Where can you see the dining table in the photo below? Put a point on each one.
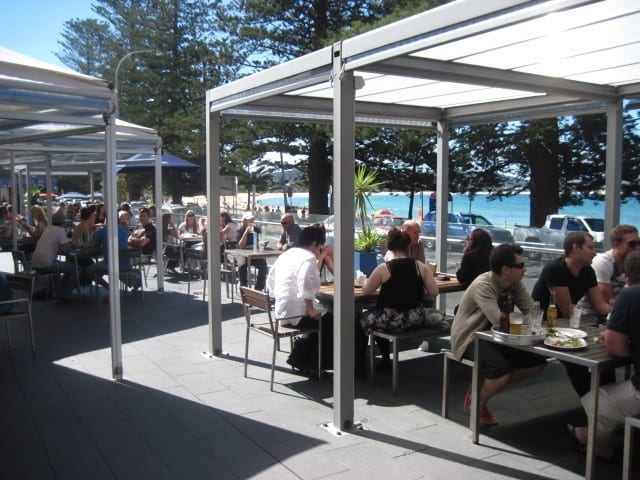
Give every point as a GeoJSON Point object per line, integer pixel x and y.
{"type": "Point", "coordinates": [445, 283]}
{"type": "Point", "coordinates": [594, 356]}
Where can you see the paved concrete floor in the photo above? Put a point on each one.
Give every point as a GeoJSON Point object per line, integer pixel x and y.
{"type": "Point", "coordinates": [180, 414]}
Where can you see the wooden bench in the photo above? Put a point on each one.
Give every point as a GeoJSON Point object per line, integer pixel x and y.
{"type": "Point", "coordinates": [395, 338]}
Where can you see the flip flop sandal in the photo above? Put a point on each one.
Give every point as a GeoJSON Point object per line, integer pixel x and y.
{"type": "Point", "coordinates": [581, 447]}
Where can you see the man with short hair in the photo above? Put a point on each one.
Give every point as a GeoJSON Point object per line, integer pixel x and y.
{"type": "Point", "coordinates": [53, 241]}
{"type": "Point", "coordinates": [622, 339]}
{"type": "Point", "coordinates": [144, 237]}
{"type": "Point", "coordinates": [294, 281]}
{"type": "Point", "coordinates": [609, 265]}
{"type": "Point", "coordinates": [481, 306]}
{"type": "Point", "coordinates": [571, 278]}
{"type": "Point", "coordinates": [290, 232]}
{"type": "Point", "coordinates": [416, 248]}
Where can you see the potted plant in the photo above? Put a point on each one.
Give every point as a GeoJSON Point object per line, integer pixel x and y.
{"type": "Point", "coordinates": [368, 241]}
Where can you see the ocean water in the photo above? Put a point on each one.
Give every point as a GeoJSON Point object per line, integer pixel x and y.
{"type": "Point", "coordinates": [506, 212]}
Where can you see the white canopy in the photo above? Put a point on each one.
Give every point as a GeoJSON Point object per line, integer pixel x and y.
{"type": "Point", "coordinates": [55, 118]}
{"type": "Point", "coordinates": [465, 62]}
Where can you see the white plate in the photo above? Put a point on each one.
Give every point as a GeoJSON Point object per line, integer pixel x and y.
{"type": "Point", "coordinates": [563, 343]}
{"type": "Point", "coordinates": [570, 333]}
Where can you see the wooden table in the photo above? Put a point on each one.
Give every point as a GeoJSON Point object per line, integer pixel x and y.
{"type": "Point", "coordinates": [593, 357]}
{"type": "Point", "coordinates": [326, 293]}
{"type": "Point", "coordinates": [249, 254]}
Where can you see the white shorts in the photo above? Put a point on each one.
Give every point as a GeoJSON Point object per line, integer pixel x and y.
{"type": "Point", "coordinates": [616, 402]}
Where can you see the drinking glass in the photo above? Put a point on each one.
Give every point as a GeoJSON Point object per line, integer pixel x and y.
{"type": "Point", "coordinates": [536, 318]}
{"type": "Point", "coordinates": [574, 318]}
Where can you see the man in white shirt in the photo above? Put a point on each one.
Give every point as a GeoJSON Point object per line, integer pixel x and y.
{"type": "Point", "coordinates": [609, 265]}
{"type": "Point", "coordinates": [53, 241]}
{"type": "Point", "coordinates": [294, 281]}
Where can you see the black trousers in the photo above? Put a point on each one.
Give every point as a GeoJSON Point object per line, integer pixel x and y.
{"type": "Point", "coordinates": [261, 265]}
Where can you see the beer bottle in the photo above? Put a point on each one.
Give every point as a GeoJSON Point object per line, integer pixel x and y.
{"type": "Point", "coordinates": [504, 313]}
{"type": "Point", "coordinates": [552, 310]}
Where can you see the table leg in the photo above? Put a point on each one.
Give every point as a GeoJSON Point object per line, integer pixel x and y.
{"type": "Point", "coordinates": [475, 392]}
{"type": "Point", "coordinates": [592, 417]}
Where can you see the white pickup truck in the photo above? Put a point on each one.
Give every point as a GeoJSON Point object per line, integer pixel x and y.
{"type": "Point", "coordinates": [556, 228]}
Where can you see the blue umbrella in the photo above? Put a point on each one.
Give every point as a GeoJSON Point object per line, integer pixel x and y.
{"type": "Point", "coordinates": [143, 162]}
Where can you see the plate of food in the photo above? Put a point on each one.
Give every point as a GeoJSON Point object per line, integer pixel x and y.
{"type": "Point", "coordinates": [565, 343]}
{"type": "Point", "coordinates": [566, 333]}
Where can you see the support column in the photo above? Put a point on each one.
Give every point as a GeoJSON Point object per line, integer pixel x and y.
{"type": "Point", "coordinates": [613, 169]}
{"type": "Point", "coordinates": [442, 201]}
{"type": "Point", "coordinates": [213, 239]}
{"type": "Point", "coordinates": [343, 188]}
{"type": "Point", "coordinates": [110, 196]}
{"type": "Point", "coordinates": [157, 199]}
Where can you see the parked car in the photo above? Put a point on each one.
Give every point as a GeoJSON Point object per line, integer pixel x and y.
{"type": "Point", "coordinates": [556, 228]}
{"type": "Point", "coordinates": [497, 234]}
{"type": "Point", "coordinates": [457, 229]}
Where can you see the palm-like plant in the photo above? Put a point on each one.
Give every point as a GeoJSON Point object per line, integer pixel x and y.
{"type": "Point", "coordinates": [365, 183]}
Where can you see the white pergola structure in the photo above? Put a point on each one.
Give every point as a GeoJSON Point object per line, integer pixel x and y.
{"type": "Point", "coordinates": [53, 119]}
{"type": "Point", "coordinates": [462, 63]}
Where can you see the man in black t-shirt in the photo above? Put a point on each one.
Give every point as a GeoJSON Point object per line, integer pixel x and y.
{"type": "Point", "coordinates": [622, 339]}
{"type": "Point", "coordinates": [144, 237]}
{"type": "Point", "coordinates": [571, 278]}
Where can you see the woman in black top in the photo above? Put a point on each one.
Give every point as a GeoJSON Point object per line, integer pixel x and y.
{"type": "Point", "coordinates": [475, 258]}
{"type": "Point", "coordinates": [403, 283]}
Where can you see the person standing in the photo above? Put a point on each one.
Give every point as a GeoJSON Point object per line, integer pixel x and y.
{"type": "Point", "coordinates": [481, 307]}
{"type": "Point", "coordinates": [609, 266]}
{"type": "Point", "coordinates": [622, 339]}
{"type": "Point", "coordinates": [290, 232]}
{"type": "Point", "coordinates": [294, 282]}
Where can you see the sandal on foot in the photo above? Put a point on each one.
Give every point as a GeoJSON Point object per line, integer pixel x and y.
{"type": "Point", "coordinates": [581, 447]}
{"type": "Point", "coordinates": [466, 405]}
{"type": "Point", "coordinates": [486, 417]}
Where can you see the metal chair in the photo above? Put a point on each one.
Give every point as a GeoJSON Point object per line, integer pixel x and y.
{"type": "Point", "coordinates": [256, 299]}
{"type": "Point", "coordinates": [22, 287]}
{"type": "Point", "coordinates": [132, 278]}
{"type": "Point", "coordinates": [199, 261]}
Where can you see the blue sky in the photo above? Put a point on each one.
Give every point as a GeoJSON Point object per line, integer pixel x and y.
{"type": "Point", "coordinates": [34, 27]}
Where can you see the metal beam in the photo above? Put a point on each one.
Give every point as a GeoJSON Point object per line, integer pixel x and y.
{"type": "Point", "coordinates": [490, 77]}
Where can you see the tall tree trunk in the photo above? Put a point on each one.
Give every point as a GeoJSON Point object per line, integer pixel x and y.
{"type": "Point", "coordinates": [543, 161]}
{"type": "Point", "coordinates": [319, 173]}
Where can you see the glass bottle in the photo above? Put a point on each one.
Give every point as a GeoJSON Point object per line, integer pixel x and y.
{"type": "Point", "coordinates": [552, 310]}
{"type": "Point", "coordinates": [504, 313]}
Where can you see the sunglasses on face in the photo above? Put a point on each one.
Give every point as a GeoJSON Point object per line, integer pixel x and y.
{"type": "Point", "coordinates": [633, 243]}
{"type": "Point", "coordinates": [283, 222]}
{"type": "Point", "coordinates": [519, 266]}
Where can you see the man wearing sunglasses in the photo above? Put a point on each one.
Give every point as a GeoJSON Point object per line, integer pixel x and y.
{"type": "Point", "coordinates": [570, 278]}
{"type": "Point", "coordinates": [609, 265]}
{"type": "Point", "coordinates": [290, 232]}
{"type": "Point", "coordinates": [480, 309]}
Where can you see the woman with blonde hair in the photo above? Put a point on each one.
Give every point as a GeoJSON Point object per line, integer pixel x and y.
{"type": "Point", "coordinates": [40, 220]}
{"type": "Point", "coordinates": [189, 225]}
